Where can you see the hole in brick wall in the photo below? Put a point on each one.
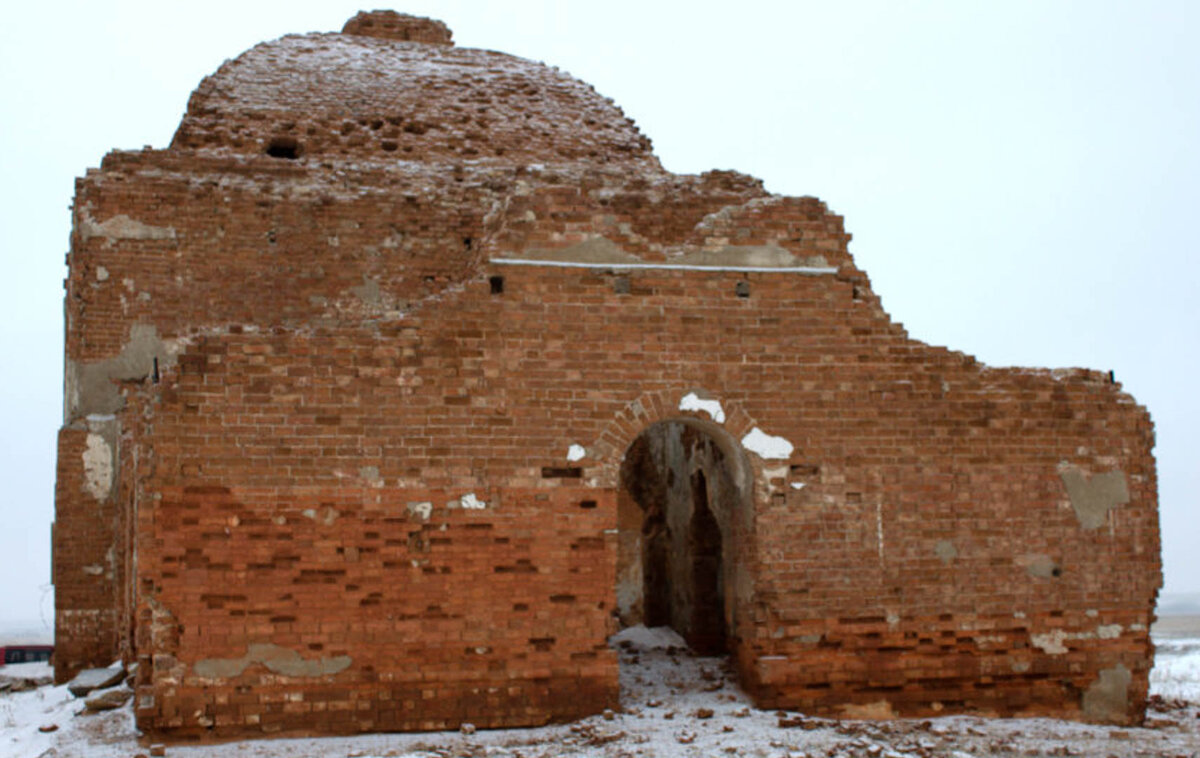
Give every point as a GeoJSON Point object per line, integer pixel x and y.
{"type": "Point", "coordinates": [853, 497]}
{"type": "Point", "coordinates": [497, 284]}
{"type": "Point", "coordinates": [857, 293]}
{"type": "Point", "coordinates": [804, 469]}
{"type": "Point", "coordinates": [621, 285]}
{"type": "Point", "coordinates": [468, 243]}
{"type": "Point", "coordinates": [284, 147]}
{"type": "Point", "coordinates": [587, 504]}
{"type": "Point", "coordinates": [742, 288]}
{"type": "Point", "coordinates": [389, 145]}
{"type": "Point", "coordinates": [155, 375]}
{"type": "Point", "coordinates": [565, 472]}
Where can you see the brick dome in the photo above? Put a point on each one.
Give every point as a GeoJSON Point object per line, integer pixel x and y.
{"type": "Point", "coordinates": [394, 88]}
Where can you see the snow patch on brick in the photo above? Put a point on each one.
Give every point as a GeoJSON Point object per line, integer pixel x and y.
{"type": "Point", "coordinates": [470, 502]}
{"type": "Point", "coordinates": [576, 453]}
{"type": "Point", "coordinates": [766, 446]}
{"type": "Point", "coordinates": [693, 402]}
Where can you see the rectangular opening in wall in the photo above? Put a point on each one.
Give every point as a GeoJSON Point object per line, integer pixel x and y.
{"type": "Point", "coordinates": [565, 472]}
{"type": "Point", "coordinates": [497, 284]}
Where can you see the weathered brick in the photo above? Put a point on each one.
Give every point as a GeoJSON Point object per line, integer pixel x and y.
{"type": "Point", "coordinates": [326, 374]}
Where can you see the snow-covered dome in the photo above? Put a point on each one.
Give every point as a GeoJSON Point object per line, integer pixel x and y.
{"type": "Point", "coordinates": [393, 87]}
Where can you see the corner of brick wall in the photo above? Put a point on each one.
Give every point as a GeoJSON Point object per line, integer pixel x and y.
{"type": "Point", "coordinates": [85, 615]}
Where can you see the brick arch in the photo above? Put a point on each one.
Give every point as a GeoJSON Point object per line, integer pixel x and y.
{"type": "Point", "coordinates": [655, 406]}
{"type": "Point", "coordinates": [735, 518]}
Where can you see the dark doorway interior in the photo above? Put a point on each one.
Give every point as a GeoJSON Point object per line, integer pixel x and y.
{"type": "Point", "coordinates": [704, 538]}
{"type": "Point", "coordinates": [677, 495]}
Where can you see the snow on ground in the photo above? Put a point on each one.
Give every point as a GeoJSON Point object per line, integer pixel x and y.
{"type": "Point", "coordinates": [110, 735]}
{"type": "Point", "coordinates": [674, 704]}
{"type": "Point", "coordinates": [34, 670]}
{"type": "Point", "coordinates": [1176, 673]}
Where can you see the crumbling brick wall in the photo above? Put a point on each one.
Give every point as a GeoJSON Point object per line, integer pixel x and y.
{"type": "Point", "coordinates": [371, 415]}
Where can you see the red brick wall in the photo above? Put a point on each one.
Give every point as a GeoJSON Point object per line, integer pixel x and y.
{"type": "Point", "coordinates": [496, 615]}
{"type": "Point", "coordinates": [336, 353]}
{"type": "Point", "coordinates": [85, 619]}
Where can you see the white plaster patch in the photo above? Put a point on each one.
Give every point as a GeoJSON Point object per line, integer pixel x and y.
{"type": "Point", "coordinates": [97, 467]}
{"type": "Point", "coordinates": [327, 515]}
{"type": "Point", "coordinates": [371, 475]}
{"type": "Point", "coordinates": [576, 453]}
{"type": "Point", "coordinates": [1109, 632]}
{"type": "Point", "coordinates": [471, 503]}
{"type": "Point", "coordinates": [1050, 642]}
{"type": "Point", "coordinates": [807, 270]}
{"type": "Point", "coordinates": [422, 510]}
{"type": "Point", "coordinates": [101, 274]}
{"type": "Point", "coordinates": [766, 446]}
{"type": "Point", "coordinates": [122, 227]}
{"type": "Point", "coordinates": [693, 402]}
{"type": "Point", "coordinates": [797, 485]}
{"type": "Point", "coordinates": [879, 528]}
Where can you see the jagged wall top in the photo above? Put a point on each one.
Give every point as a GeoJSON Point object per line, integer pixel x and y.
{"type": "Point", "coordinates": [393, 87]}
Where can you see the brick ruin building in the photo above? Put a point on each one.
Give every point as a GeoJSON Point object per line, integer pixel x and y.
{"type": "Point", "coordinates": [407, 375]}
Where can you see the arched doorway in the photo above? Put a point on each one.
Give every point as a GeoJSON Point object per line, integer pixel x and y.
{"type": "Point", "coordinates": [683, 514]}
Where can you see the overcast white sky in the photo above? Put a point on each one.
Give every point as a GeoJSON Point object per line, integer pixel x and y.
{"type": "Point", "coordinates": [1021, 178]}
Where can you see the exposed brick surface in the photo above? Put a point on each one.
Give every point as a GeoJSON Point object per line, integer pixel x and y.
{"type": "Point", "coordinates": [399, 27]}
{"type": "Point", "coordinates": [340, 459]}
{"type": "Point", "coordinates": [85, 591]}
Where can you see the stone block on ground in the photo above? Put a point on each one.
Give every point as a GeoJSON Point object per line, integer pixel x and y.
{"type": "Point", "coordinates": [108, 699]}
{"type": "Point", "coordinates": [95, 679]}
